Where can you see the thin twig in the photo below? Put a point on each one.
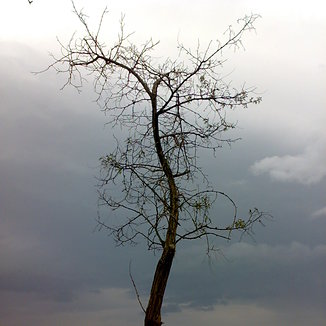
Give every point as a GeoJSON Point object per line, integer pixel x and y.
{"type": "Point", "coordinates": [135, 288]}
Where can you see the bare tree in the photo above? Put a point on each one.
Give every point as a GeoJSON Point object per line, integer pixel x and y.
{"type": "Point", "coordinates": [170, 112]}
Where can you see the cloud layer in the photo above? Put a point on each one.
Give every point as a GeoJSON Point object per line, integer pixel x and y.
{"type": "Point", "coordinates": [306, 168]}
{"type": "Point", "coordinates": [247, 273]}
{"type": "Point", "coordinates": [320, 212]}
{"type": "Point", "coordinates": [55, 271]}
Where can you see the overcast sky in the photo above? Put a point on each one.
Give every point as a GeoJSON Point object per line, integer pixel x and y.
{"type": "Point", "coordinates": [56, 270]}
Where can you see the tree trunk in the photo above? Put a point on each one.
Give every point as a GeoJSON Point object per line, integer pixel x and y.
{"type": "Point", "coordinates": [153, 311]}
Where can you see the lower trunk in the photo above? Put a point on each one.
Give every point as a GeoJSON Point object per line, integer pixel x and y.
{"type": "Point", "coordinates": [153, 311]}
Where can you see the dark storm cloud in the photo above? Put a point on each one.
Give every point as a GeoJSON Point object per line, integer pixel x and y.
{"type": "Point", "coordinates": [48, 162]}
{"type": "Point", "coordinates": [292, 274]}
{"type": "Point", "coordinates": [46, 286]}
{"type": "Point", "coordinates": [50, 143]}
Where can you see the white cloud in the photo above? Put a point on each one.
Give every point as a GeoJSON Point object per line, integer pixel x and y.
{"type": "Point", "coordinates": [320, 212]}
{"type": "Point", "coordinates": [306, 168]}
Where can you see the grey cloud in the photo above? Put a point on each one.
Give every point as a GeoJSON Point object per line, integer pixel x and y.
{"type": "Point", "coordinates": [89, 308]}
{"type": "Point", "coordinates": [54, 270]}
{"type": "Point", "coordinates": [247, 314]}
{"type": "Point", "coordinates": [56, 288]}
{"type": "Point", "coordinates": [292, 274]}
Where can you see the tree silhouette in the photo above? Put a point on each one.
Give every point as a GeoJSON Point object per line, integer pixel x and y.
{"type": "Point", "coordinates": [170, 111]}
